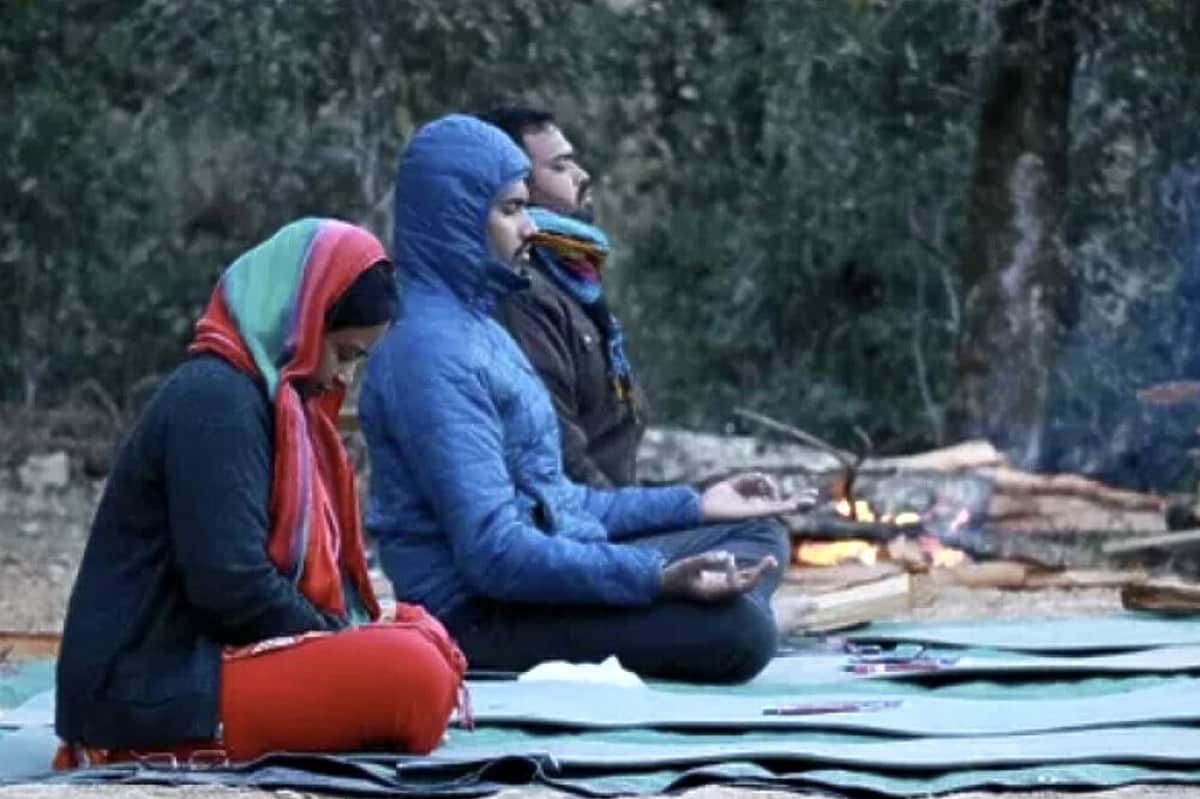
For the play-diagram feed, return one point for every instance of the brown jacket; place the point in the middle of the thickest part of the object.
(600, 433)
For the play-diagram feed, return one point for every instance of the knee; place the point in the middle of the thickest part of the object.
(421, 685)
(772, 537)
(750, 644)
(420, 668)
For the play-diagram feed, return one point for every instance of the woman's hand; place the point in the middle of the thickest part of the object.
(711, 577)
(750, 496)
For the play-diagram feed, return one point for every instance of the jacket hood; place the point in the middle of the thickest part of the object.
(449, 175)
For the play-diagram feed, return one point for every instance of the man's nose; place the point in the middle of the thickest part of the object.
(528, 226)
(581, 175)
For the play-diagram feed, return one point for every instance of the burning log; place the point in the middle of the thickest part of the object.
(821, 527)
(1044, 551)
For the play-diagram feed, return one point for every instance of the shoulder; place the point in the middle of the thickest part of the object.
(541, 304)
(210, 377)
(424, 349)
(542, 292)
(209, 390)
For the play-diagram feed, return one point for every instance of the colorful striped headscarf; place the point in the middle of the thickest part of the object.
(267, 318)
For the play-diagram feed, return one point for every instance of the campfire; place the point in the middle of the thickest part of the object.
(891, 533)
(860, 511)
(910, 546)
(905, 517)
(922, 552)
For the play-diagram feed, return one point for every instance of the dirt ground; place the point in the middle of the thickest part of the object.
(41, 540)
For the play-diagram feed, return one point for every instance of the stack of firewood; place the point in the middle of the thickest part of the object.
(1019, 500)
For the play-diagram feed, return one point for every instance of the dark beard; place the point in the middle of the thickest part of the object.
(585, 214)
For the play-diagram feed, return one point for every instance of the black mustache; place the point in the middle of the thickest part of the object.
(584, 189)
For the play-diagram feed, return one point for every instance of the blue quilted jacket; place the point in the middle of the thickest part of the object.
(468, 497)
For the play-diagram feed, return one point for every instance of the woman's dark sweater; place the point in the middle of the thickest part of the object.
(176, 567)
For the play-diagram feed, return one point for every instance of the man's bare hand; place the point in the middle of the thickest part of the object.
(711, 577)
(750, 496)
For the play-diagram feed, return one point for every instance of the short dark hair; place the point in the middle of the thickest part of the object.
(372, 299)
(518, 120)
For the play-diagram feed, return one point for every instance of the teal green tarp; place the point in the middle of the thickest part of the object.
(1076, 720)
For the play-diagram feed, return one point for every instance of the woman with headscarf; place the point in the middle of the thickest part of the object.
(222, 608)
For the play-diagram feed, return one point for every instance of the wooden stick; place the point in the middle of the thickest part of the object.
(847, 607)
(1014, 482)
(845, 458)
(19, 645)
(1152, 541)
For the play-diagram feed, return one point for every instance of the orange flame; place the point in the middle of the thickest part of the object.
(863, 512)
(860, 511)
(926, 549)
(831, 553)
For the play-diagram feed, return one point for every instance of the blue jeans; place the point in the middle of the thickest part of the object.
(726, 642)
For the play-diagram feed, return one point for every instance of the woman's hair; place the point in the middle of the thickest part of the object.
(372, 299)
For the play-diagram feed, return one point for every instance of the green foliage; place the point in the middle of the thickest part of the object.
(805, 263)
(785, 182)
(147, 143)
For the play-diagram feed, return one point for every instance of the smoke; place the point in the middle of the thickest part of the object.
(1139, 325)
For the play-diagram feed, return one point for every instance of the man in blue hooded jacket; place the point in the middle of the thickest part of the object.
(468, 500)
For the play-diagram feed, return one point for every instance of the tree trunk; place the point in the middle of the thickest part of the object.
(1014, 268)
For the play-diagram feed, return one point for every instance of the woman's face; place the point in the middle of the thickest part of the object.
(341, 353)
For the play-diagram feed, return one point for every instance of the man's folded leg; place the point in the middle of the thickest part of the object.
(727, 642)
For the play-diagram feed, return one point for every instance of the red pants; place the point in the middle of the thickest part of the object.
(386, 686)
(390, 685)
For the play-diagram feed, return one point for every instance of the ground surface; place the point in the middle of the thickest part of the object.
(41, 540)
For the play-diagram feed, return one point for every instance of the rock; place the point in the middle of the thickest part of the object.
(40, 473)
(672, 455)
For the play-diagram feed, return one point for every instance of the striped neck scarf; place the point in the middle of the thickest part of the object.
(574, 254)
